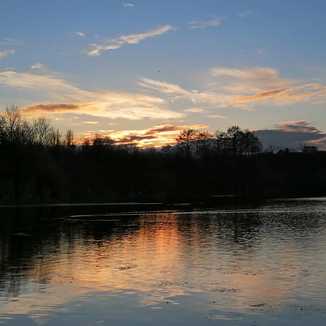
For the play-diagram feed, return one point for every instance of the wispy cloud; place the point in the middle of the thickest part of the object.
(152, 137)
(38, 66)
(128, 4)
(49, 84)
(194, 110)
(243, 88)
(177, 92)
(50, 108)
(6, 53)
(203, 24)
(217, 116)
(66, 98)
(90, 122)
(80, 34)
(114, 44)
(250, 86)
(163, 87)
(112, 106)
(256, 73)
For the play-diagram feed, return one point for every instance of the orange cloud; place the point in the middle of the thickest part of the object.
(51, 108)
(138, 262)
(111, 106)
(64, 97)
(243, 88)
(156, 136)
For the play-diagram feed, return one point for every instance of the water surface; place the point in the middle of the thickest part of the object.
(261, 265)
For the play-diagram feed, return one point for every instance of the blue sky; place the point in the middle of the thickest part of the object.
(119, 67)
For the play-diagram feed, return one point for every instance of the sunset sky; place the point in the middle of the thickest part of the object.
(152, 68)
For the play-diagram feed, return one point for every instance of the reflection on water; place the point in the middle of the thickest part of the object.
(265, 265)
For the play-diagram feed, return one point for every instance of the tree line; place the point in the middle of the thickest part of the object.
(15, 131)
(40, 164)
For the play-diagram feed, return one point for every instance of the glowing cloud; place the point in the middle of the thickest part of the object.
(67, 98)
(194, 110)
(156, 136)
(110, 105)
(243, 88)
(177, 92)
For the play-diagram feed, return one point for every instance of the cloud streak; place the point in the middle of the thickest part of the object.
(112, 106)
(128, 4)
(243, 88)
(38, 66)
(66, 98)
(50, 108)
(52, 85)
(203, 24)
(99, 48)
(80, 34)
(176, 92)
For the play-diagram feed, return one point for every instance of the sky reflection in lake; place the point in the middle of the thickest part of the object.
(263, 265)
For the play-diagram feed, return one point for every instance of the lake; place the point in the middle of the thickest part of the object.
(262, 264)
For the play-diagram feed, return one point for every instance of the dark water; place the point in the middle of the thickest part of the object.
(262, 265)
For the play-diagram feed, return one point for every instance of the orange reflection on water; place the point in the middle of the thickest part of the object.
(161, 258)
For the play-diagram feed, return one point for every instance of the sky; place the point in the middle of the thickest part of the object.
(152, 68)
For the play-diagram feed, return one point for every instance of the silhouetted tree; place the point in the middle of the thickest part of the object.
(38, 165)
(192, 141)
(43, 133)
(237, 142)
(69, 139)
(103, 141)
